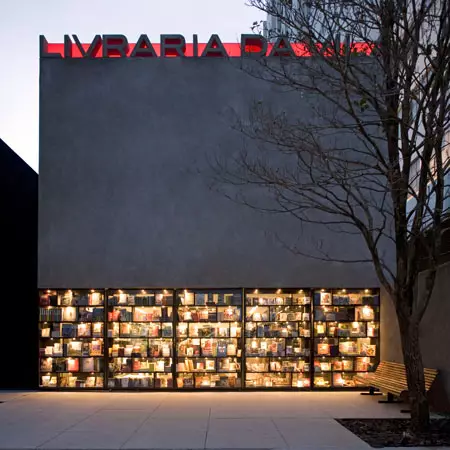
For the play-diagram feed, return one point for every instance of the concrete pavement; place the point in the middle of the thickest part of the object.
(179, 420)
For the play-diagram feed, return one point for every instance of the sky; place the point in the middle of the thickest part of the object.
(22, 21)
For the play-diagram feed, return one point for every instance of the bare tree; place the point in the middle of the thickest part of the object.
(375, 162)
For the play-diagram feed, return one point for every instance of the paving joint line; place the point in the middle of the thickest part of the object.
(207, 428)
(280, 433)
(68, 428)
(142, 424)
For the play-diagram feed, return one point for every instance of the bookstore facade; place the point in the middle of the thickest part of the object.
(206, 339)
(151, 279)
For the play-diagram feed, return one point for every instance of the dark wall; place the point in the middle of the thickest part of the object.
(124, 197)
(434, 336)
(18, 231)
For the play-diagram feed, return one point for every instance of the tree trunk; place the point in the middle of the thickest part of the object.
(420, 411)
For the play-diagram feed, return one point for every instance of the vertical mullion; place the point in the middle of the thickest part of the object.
(311, 340)
(174, 338)
(242, 324)
(105, 341)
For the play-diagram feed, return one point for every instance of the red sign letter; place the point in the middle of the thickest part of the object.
(282, 48)
(214, 48)
(115, 45)
(143, 48)
(43, 49)
(172, 45)
(93, 49)
(253, 45)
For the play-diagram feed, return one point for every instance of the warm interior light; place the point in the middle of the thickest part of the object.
(366, 291)
(165, 291)
(278, 291)
(92, 290)
(367, 311)
(322, 290)
(143, 291)
(300, 291)
(255, 291)
(344, 290)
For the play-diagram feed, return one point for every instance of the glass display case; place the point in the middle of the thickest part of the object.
(277, 339)
(346, 328)
(209, 339)
(140, 339)
(71, 339)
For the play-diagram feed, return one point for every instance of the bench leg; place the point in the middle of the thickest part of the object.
(390, 399)
(371, 392)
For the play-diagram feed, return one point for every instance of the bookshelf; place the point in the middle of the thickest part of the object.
(346, 335)
(140, 339)
(277, 339)
(161, 339)
(71, 339)
(209, 339)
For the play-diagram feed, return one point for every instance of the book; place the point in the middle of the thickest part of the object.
(85, 314)
(231, 350)
(84, 330)
(222, 349)
(67, 298)
(97, 314)
(69, 314)
(125, 329)
(364, 313)
(46, 365)
(68, 330)
(90, 382)
(95, 298)
(56, 330)
(96, 348)
(97, 329)
(201, 299)
(57, 349)
(73, 365)
(88, 365)
(74, 348)
(45, 332)
(325, 298)
(323, 349)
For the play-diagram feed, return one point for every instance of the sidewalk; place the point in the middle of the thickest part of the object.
(177, 420)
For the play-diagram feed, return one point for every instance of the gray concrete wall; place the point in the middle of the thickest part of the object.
(390, 344)
(434, 337)
(124, 200)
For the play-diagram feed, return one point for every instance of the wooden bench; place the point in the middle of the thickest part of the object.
(390, 378)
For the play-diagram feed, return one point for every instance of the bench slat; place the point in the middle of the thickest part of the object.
(390, 377)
